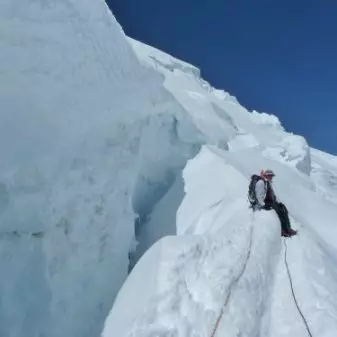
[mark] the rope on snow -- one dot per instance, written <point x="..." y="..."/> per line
<point x="18" y="234"/>
<point x="216" y="326"/>
<point x="292" y="290"/>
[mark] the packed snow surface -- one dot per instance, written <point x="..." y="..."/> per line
<point x="107" y="145"/>
<point x="225" y="271"/>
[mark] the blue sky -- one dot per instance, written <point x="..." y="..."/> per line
<point x="274" y="56"/>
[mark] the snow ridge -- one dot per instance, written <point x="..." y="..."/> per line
<point x="107" y="146"/>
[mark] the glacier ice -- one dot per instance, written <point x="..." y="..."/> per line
<point x="108" y="145"/>
<point x="75" y="155"/>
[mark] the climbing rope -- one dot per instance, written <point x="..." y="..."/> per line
<point x="18" y="234"/>
<point x="216" y="326"/>
<point x="292" y="289"/>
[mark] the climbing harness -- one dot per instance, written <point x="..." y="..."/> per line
<point x="292" y="290"/>
<point x="216" y="325"/>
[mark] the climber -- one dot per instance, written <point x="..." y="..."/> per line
<point x="261" y="196"/>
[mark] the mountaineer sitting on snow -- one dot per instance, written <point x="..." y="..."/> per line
<point x="261" y="196"/>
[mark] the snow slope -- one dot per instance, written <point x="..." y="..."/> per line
<point x="80" y="164"/>
<point x="225" y="273"/>
<point x="324" y="174"/>
<point x="95" y="134"/>
<point x="60" y="132"/>
<point x="228" y="262"/>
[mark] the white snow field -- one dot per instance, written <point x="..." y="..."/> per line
<point x="107" y="145"/>
<point x="228" y="262"/>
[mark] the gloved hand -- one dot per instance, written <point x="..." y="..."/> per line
<point x="261" y="205"/>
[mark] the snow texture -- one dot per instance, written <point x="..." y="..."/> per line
<point x="84" y="163"/>
<point x="225" y="270"/>
<point x="228" y="262"/>
<point x="107" y="146"/>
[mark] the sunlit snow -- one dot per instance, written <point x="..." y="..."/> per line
<point x="111" y="149"/>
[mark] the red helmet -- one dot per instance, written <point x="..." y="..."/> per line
<point x="267" y="173"/>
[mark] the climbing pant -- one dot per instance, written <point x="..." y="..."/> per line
<point x="282" y="212"/>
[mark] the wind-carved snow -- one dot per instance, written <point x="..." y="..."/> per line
<point x="163" y="154"/>
<point x="266" y="119"/>
<point x="324" y="174"/>
<point x="154" y="58"/>
<point x="190" y="277"/>
<point x="95" y="133"/>
<point x="186" y="299"/>
<point x="198" y="283"/>
<point x="225" y="271"/>
<point x="294" y="150"/>
<point x="66" y="217"/>
<point x="70" y="177"/>
<point x="100" y="149"/>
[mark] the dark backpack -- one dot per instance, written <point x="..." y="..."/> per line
<point x="251" y="190"/>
